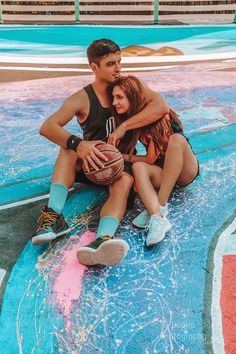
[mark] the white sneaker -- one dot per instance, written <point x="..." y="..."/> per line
<point x="164" y="210"/>
<point x="143" y="218"/>
<point x="157" y="228"/>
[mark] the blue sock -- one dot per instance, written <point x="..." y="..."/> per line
<point x="57" y="198"/>
<point x="107" y="226"/>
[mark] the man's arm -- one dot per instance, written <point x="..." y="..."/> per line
<point x="53" y="129"/>
<point x="156" y="108"/>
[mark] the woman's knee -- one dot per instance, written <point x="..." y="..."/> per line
<point x="177" y="140"/>
<point x="139" y="166"/>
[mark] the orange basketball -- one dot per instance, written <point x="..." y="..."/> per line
<point x="112" y="169"/>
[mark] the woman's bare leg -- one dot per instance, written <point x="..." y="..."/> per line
<point x="147" y="178"/>
<point x="180" y="166"/>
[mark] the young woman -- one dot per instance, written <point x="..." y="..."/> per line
<point x="169" y="159"/>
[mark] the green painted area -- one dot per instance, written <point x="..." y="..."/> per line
<point x="77" y="19"/>
<point x="1" y="19"/>
<point x="156" y="12"/>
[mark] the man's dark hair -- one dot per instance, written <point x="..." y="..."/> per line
<point x="100" y="48"/>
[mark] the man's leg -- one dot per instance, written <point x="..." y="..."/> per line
<point x="180" y="166"/>
<point x="106" y="250"/>
<point x="51" y="222"/>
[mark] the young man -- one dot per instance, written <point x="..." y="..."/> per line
<point x="91" y="107"/>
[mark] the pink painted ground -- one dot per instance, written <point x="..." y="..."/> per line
<point x="190" y="77"/>
<point x="228" y="303"/>
<point x="68" y="283"/>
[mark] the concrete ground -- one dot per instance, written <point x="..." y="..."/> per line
<point x="162" y="300"/>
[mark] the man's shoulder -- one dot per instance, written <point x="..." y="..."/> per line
<point x="78" y="99"/>
<point x="78" y="94"/>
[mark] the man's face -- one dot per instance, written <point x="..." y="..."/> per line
<point x="109" y="68"/>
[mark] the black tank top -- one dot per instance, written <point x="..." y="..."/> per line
<point x="99" y="123"/>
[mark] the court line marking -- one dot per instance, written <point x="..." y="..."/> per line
<point x="24" y="180"/>
<point x="125" y="60"/>
<point x="27" y="201"/>
<point x="24" y="201"/>
<point x="32" y="68"/>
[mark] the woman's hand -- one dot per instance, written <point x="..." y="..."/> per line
<point x="115" y="137"/>
<point x="126" y="157"/>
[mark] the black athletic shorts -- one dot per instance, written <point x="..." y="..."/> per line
<point x="161" y="159"/>
<point x="82" y="178"/>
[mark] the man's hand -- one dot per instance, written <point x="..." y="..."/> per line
<point x="90" y="155"/>
<point x="115" y="137"/>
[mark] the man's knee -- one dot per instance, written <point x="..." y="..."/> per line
<point x="123" y="184"/>
<point x="66" y="154"/>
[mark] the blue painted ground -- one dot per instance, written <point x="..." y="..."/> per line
<point x="153" y="302"/>
<point x="73" y="40"/>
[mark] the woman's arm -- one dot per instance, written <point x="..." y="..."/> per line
<point x="137" y="158"/>
<point x="150" y="157"/>
<point x="155" y="109"/>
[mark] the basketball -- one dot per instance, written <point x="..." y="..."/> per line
<point x="112" y="169"/>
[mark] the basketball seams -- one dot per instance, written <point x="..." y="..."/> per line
<point x="110" y="163"/>
<point x="112" y="169"/>
<point x="106" y="181"/>
<point x="107" y="164"/>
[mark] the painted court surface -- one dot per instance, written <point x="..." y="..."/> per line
<point x="178" y="297"/>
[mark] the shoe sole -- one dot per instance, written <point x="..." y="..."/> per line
<point x="153" y="243"/>
<point x="143" y="226"/>
<point x="139" y="226"/>
<point x="108" y="253"/>
<point x="47" y="237"/>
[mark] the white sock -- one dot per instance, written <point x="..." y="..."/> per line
<point x="164" y="209"/>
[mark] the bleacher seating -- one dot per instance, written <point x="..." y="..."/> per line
<point x="196" y="11"/>
<point x="118" y="12"/>
<point x="30" y="11"/>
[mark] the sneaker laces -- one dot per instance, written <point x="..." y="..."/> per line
<point x="107" y="237"/>
<point x="46" y="219"/>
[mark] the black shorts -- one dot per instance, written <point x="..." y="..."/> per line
<point x="82" y="178"/>
<point x="161" y="159"/>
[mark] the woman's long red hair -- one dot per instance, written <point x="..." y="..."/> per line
<point x="160" y="130"/>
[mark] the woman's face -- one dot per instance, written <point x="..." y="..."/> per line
<point x="120" y="100"/>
